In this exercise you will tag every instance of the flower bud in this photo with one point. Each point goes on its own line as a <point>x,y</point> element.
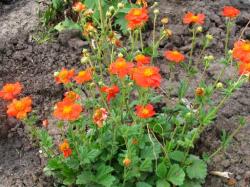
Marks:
<point>230,52</point>
<point>84,59</point>
<point>164,21</point>
<point>120,55</point>
<point>56,74</point>
<point>156,11</point>
<point>130,84</point>
<point>84,50</point>
<point>100,83</point>
<point>120,5</point>
<point>209,37</point>
<point>219,85</point>
<point>108,14</point>
<point>111,8</point>
<point>92,84</point>
<point>210,57</point>
<point>199,29</point>
<point>126,162</point>
<point>199,91</point>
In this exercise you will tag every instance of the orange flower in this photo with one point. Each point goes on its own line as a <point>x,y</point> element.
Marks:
<point>230,12</point>
<point>174,56</point>
<point>146,76</point>
<point>241,51</point>
<point>100,116</point>
<point>10,91</point>
<point>142,60</point>
<point>136,17</point>
<point>192,18</point>
<point>79,7</point>
<point>19,108</point>
<point>64,76</point>
<point>65,149</point>
<point>244,68</point>
<point>145,111</point>
<point>66,110</point>
<point>110,91</point>
<point>84,76</point>
<point>71,96</point>
<point>120,67</point>
<point>126,162</point>
<point>200,92</point>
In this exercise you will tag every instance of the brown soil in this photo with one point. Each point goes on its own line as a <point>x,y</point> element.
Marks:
<point>21,59</point>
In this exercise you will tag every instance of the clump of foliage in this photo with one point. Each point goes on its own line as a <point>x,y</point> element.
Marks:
<point>113,133</point>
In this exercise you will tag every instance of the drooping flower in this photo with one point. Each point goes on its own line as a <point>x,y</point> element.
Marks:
<point>230,12</point>
<point>142,3</point>
<point>71,96</point>
<point>10,91</point>
<point>64,147</point>
<point>100,115</point>
<point>89,29</point>
<point>244,68</point>
<point>19,108</point>
<point>126,162</point>
<point>146,111</point>
<point>120,67</point>
<point>79,7</point>
<point>241,51</point>
<point>142,60</point>
<point>110,91</point>
<point>64,76</point>
<point>136,17</point>
<point>174,56</point>
<point>83,76</point>
<point>199,92</point>
<point>190,18</point>
<point>146,76</point>
<point>45,123</point>
<point>68,111</point>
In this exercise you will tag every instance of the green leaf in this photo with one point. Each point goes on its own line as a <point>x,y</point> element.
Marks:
<point>107,180</point>
<point>178,156</point>
<point>142,184</point>
<point>69,181</point>
<point>84,178</point>
<point>161,170</point>
<point>189,183</point>
<point>103,175</point>
<point>146,165</point>
<point>93,154</point>
<point>197,168</point>
<point>67,24</point>
<point>176,175</point>
<point>162,183</point>
<point>57,4</point>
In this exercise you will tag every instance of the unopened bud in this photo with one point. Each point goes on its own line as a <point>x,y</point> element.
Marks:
<point>84,59</point>
<point>120,55</point>
<point>130,84</point>
<point>209,37</point>
<point>108,14</point>
<point>188,115</point>
<point>230,52</point>
<point>56,74</point>
<point>120,5</point>
<point>111,8</point>
<point>164,21</point>
<point>219,85</point>
<point>199,29</point>
<point>156,11</point>
<point>100,83</point>
<point>126,162</point>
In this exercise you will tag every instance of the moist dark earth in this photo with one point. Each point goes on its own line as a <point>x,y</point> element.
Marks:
<point>22,59</point>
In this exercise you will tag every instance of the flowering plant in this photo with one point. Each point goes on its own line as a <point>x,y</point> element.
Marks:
<point>113,132</point>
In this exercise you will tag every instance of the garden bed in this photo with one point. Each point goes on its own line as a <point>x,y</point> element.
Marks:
<point>22,59</point>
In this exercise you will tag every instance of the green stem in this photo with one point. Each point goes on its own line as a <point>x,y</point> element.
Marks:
<point>192,48</point>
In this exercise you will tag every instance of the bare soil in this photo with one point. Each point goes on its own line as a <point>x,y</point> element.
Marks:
<point>22,59</point>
